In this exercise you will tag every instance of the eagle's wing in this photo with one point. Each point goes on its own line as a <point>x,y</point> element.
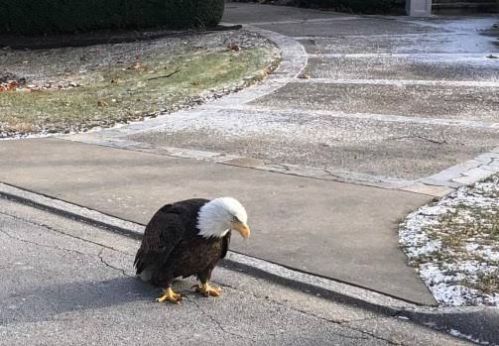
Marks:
<point>161,236</point>
<point>225,244</point>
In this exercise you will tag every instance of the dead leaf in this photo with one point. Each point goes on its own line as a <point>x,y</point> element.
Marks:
<point>137,66</point>
<point>9,85</point>
<point>233,46</point>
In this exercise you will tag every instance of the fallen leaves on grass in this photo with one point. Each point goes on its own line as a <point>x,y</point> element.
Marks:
<point>233,46</point>
<point>83,88</point>
<point>10,85</point>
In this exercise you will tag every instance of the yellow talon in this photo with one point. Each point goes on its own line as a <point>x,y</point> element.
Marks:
<point>169,296</point>
<point>206,290</point>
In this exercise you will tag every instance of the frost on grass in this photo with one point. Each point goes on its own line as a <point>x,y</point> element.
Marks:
<point>454,244</point>
<point>76,89</point>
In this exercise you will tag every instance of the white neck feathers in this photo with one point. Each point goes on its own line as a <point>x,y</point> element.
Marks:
<point>215,217</point>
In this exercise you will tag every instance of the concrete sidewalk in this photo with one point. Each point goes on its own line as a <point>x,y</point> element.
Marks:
<point>341,231</point>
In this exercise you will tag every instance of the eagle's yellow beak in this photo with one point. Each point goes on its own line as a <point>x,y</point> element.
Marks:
<point>242,229</point>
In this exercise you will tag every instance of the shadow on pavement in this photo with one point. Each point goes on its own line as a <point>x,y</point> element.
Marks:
<point>43,304</point>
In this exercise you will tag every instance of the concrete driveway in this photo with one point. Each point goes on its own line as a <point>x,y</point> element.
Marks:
<point>384,97</point>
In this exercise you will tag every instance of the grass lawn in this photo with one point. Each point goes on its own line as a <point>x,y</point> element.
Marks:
<point>76,89</point>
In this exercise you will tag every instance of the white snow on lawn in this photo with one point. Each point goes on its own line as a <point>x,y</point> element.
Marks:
<point>454,244</point>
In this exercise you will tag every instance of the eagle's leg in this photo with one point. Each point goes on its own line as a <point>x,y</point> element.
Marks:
<point>205,288</point>
<point>169,296</point>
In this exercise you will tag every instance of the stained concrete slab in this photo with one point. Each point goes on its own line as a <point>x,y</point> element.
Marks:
<point>411,67</point>
<point>465,102</point>
<point>337,230</point>
<point>372,146</point>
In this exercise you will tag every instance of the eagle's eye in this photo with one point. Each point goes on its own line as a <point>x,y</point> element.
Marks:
<point>235,219</point>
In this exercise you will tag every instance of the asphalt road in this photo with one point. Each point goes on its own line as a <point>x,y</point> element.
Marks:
<point>64,282</point>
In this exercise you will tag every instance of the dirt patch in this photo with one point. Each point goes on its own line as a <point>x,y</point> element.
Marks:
<point>73,89</point>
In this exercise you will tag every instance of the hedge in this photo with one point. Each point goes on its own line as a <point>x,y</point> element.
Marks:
<point>32,17</point>
<point>355,6</point>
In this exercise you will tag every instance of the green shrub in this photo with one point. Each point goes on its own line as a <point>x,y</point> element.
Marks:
<point>68,16</point>
<point>356,6</point>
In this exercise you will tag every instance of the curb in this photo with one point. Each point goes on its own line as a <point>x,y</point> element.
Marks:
<point>71,210</point>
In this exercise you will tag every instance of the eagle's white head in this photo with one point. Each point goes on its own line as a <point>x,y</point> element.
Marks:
<point>220,215</point>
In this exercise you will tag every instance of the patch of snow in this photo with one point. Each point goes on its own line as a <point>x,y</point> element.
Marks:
<point>472,247</point>
<point>453,272</point>
<point>27,136</point>
<point>458,334</point>
<point>490,254</point>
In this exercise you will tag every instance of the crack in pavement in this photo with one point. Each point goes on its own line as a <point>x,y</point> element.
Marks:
<point>434,141</point>
<point>89,241</point>
<point>217,322</point>
<point>42,245</point>
<point>99,255</point>
<point>50,228</point>
<point>103,261</point>
<point>342,323</point>
<point>345,323</point>
<point>220,326</point>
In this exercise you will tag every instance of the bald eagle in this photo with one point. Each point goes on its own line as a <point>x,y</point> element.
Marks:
<point>189,238</point>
